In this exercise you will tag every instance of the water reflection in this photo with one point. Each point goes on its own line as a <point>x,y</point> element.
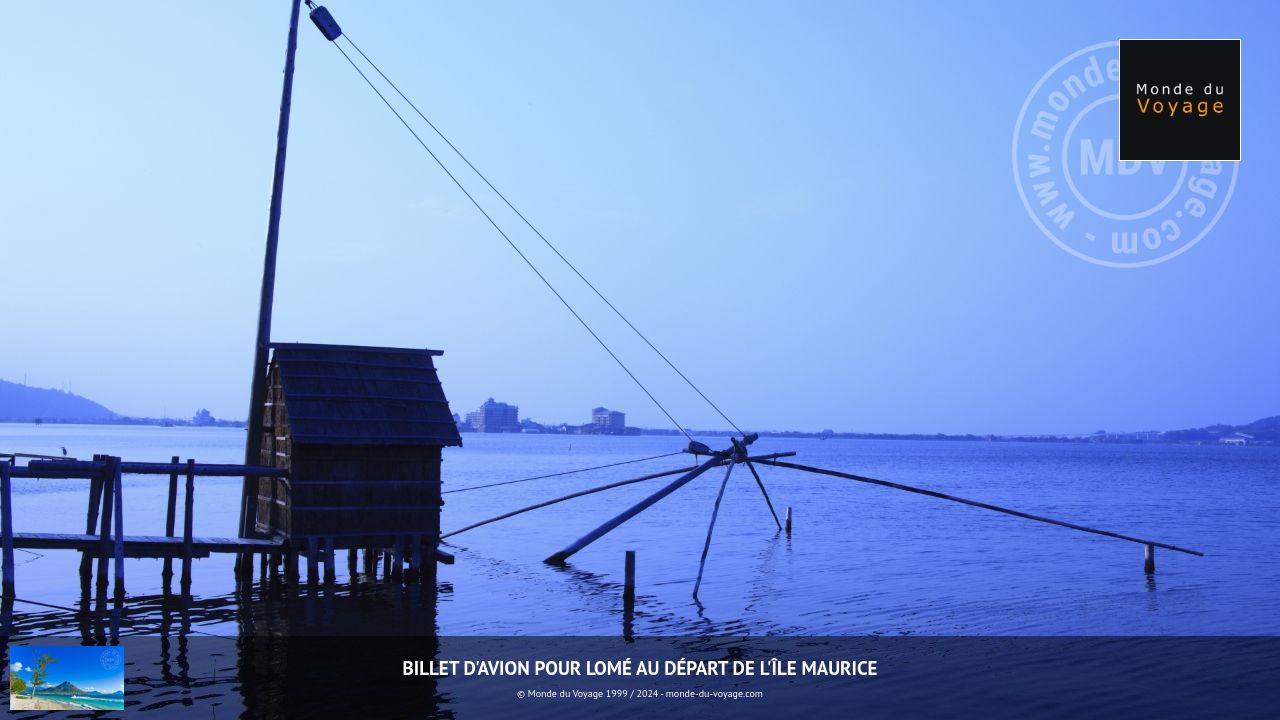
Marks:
<point>270,649</point>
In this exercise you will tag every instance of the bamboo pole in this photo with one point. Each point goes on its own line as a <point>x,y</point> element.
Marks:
<point>570,496</point>
<point>975,503</point>
<point>261,347</point>
<point>764,492</point>
<point>715,511</point>
<point>590,491</point>
<point>634,510</point>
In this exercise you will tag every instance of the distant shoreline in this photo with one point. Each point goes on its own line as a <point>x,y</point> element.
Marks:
<point>1213,435</point>
<point>19,702</point>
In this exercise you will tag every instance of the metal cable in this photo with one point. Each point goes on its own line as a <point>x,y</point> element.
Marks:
<point>542,237</point>
<point>504,235</point>
<point>567,472</point>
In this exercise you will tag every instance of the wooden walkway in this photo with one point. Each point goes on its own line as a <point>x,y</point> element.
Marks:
<point>104,539</point>
<point>146,546</point>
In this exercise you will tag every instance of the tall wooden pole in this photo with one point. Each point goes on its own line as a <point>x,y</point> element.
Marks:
<point>261,346</point>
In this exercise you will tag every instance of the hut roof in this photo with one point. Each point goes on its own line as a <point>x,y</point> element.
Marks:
<point>355,395</point>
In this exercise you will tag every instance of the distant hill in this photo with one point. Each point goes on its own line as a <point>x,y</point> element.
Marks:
<point>62,688</point>
<point>26,404</point>
<point>1266,430</point>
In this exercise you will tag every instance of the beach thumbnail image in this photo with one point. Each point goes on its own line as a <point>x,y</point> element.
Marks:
<point>66,677</point>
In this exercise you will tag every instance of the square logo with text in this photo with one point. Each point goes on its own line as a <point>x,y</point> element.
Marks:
<point>1180,100</point>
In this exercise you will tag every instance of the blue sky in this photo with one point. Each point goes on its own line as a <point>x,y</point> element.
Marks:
<point>809,206</point>
<point>82,666</point>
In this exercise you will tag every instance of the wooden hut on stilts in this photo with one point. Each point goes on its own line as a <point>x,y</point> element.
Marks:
<point>360,431</point>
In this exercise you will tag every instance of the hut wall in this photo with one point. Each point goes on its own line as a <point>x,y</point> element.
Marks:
<point>356,491</point>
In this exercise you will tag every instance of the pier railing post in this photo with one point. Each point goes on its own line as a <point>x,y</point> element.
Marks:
<point>91,521</point>
<point>117,485</point>
<point>188,518</point>
<point>170,519</point>
<point>6,528</point>
<point>104,536</point>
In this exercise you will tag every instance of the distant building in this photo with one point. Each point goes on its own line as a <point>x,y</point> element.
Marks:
<point>494,417</point>
<point>607,422</point>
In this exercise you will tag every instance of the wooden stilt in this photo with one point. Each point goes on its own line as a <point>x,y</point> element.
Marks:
<point>397,559</point>
<point>291,565</point>
<point>386,564</point>
<point>6,529</point>
<point>369,561</point>
<point>1149,560</point>
<point>415,557</point>
<point>351,565</point>
<point>313,573</point>
<point>188,525</point>
<point>263,561</point>
<point>330,560</point>
<point>170,520</point>
<point>788,522</point>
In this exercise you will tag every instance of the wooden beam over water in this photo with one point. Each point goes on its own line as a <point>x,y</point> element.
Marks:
<point>975,503</point>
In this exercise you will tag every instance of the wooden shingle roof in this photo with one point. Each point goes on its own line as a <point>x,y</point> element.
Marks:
<point>356,395</point>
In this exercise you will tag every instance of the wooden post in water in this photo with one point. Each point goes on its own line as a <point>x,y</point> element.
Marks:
<point>188,523</point>
<point>104,526</point>
<point>397,559</point>
<point>330,560</point>
<point>170,520</point>
<point>6,528</point>
<point>386,565</point>
<point>1149,559</point>
<point>629,583</point>
<point>313,573</point>
<point>117,483</point>
<point>369,561</point>
<point>351,564</point>
<point>788,521</point>
<point>415,558</point>
<point>91,520</point>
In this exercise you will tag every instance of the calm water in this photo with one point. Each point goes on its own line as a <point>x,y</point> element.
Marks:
<point>862,560</point>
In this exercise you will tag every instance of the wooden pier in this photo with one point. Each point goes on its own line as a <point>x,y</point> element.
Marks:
<point>104,538</point>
